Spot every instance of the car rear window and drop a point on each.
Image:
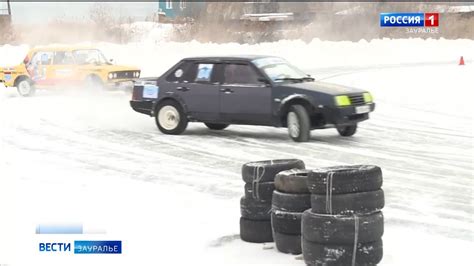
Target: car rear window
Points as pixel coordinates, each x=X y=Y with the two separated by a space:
x=194 y=72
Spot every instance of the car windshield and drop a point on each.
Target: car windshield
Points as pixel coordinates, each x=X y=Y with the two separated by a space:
x=280 y=70
x=89 y=56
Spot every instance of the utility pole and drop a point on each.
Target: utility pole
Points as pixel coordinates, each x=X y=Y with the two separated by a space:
x=9 y=8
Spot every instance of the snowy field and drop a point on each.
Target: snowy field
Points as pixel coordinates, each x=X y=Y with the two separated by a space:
x=68 y=156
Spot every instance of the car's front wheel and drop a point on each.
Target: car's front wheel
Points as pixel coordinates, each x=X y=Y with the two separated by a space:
x=170 y=118
x=347 y=131
x=214 y=126
x=94 y=83
x=25 y=87
x=298 y=123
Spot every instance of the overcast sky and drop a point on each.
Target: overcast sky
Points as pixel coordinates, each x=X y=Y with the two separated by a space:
x=44 y=11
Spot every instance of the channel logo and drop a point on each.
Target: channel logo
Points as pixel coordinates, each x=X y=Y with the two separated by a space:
x=409 y=19
x=84 y=247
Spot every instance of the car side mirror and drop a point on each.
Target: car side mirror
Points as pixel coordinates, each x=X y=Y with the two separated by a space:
x=264 y=81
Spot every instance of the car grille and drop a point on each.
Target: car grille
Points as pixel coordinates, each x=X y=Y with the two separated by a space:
x=357 y=99
x=125 y=74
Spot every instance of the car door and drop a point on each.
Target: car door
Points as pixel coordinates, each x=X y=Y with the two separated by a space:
x=64 y=69
x=244 y=98
x=197 y=86
x=39 y=68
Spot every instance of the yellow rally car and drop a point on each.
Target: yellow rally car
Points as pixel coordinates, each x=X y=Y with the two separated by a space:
x=55 y=66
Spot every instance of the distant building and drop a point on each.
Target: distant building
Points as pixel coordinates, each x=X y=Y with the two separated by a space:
x=181 y=8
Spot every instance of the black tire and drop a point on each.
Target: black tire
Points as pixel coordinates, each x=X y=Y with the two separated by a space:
x=216 y=126
x=340 y=229
x=25 y=87
x=286 y=222
x=291 y=202
x=292 y=181
x=255 y=231
x=345 y=204
x=94 y=83
x=289 y=244
x=345 y=179
x=317 y=254
x=255 y=209
x=259 y=191
x=178 y=114
x=347 y=131
x=265 y=171
x=302 y=123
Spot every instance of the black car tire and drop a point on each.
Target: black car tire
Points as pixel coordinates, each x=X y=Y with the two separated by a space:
x=94 y=83
x=259 y=191
x=265 y=171
x=350 y=203
x=292 y=181
x=347 y=131
x=255 y=209
x=345 y=179
x=341 y=229
x=176 y=112
x=317 y=254
x=25 y=87
x=255 y=231
x=291 y=202
x=302 y=123
x=286 y=222
x=216 y=126
x=289 y=244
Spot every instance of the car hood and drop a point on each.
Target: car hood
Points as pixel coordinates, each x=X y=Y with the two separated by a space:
x=111 y=68
x=324 y=87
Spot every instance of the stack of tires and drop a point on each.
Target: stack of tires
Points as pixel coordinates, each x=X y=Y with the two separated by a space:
x=256 y=205
x=344 y=225
x=290 y=199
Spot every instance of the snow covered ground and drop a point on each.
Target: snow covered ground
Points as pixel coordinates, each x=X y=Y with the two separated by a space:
x=68 y=156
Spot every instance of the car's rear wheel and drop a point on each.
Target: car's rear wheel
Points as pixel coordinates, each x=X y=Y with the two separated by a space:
x=170 y=118
x=298 y=123
x=347 y=131
x=25 y=87
x=216 y=126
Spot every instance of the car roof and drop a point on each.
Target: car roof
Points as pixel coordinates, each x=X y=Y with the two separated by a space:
x=228 y=57
x=60 y=48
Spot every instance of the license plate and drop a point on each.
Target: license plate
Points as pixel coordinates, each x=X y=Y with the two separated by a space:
x=150 y=91
x=362 y=109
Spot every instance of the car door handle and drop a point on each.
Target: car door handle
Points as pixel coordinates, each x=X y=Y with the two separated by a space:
x=227 y=91
x=182 y=88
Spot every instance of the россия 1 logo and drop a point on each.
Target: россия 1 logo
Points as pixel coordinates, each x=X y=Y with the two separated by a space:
x=409 y=19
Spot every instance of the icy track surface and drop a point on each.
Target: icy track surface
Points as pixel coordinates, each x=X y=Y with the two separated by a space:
x=67 y=156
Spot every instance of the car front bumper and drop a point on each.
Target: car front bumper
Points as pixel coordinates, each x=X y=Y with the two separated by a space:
x=346 y=115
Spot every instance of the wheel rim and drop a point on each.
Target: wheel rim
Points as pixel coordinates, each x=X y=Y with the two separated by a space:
x=293 y=125
x=24 y=87
x=168 y=117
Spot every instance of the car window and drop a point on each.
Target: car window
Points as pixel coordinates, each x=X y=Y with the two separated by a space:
x=63 y=58
x=240 y=74
x=201 y=72
x=178 y=73
x=42 y=58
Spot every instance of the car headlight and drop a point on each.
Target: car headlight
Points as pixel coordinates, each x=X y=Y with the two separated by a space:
x=115 y=75
x=111 y=76
x=368 y=97
x=136 y=74
x=342 y=100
